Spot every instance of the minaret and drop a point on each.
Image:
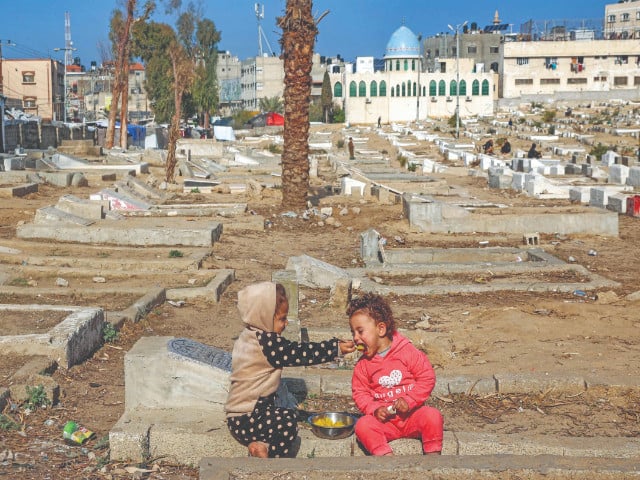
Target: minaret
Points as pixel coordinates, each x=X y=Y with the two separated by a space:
x=496 y=18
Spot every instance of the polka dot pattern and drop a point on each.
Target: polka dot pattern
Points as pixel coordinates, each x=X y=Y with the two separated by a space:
x=281 y=352
x=274 y=426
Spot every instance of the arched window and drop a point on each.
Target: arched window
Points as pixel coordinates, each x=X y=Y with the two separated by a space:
x=393 y=91
x=413 y=65
x=453 y=88
x=485 y=87
x=383 y=88
x=475 y=88
x=442 y=88
x=406 y=64
x=463 y=87
x=337 y=90
x=415 y=87
x=398 y=65
x=362 y=89
x=424 y=91
x=404 y=91
x=373 y=88
x=433 y=89
x=352 y=89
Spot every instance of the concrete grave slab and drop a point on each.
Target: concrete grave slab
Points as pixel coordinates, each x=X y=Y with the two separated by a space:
x=172 y=232
x=69 y=342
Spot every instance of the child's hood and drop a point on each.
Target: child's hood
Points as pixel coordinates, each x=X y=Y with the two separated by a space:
x=257 y=305
x=399 y=342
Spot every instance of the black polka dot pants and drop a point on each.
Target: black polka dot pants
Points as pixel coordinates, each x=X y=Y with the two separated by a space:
x=275 y=426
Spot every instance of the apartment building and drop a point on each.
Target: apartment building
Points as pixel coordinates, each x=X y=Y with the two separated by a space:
x=622 y=20
x=570 y=70
x=90 y=93
x=228 y=71
x=35 y=86
x=261 y=77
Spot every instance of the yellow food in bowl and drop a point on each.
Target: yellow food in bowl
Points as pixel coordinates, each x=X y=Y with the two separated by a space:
x=326 y=422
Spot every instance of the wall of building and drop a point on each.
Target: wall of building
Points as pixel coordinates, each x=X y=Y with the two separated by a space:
x=549 y=68
x=41 y=94
x=409 y=107
x=622 y=20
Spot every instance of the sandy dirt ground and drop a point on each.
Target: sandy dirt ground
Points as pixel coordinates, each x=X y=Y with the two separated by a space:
x=476 y=334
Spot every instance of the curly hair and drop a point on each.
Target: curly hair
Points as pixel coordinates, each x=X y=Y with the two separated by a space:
x=375 y=307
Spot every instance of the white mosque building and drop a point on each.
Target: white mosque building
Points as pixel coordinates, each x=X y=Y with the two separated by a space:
x=404 y=92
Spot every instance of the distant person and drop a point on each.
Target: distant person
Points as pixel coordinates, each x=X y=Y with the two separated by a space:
x=510 y=123
x=391 y=381
x=351 y=149
x=379 y=122
x=259 y=354
x=533 y=153
x=487 y=148
x=506 y=148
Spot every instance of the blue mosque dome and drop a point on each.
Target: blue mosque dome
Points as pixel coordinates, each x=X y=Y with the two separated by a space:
x=403 y=44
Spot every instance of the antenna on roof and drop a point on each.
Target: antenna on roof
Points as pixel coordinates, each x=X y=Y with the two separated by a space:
x=68 y=44
x=259 y=9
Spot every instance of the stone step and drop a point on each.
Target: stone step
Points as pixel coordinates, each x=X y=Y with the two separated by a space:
x=194 y=434
x=444 y=467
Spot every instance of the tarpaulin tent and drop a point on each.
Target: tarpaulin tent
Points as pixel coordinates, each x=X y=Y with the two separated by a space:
x=274 y=118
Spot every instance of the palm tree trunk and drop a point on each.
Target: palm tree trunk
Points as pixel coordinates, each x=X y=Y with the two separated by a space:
x=298 y=39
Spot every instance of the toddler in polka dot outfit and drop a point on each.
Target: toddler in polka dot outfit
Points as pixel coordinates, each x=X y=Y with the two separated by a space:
x=258 y=356
x=390 y=382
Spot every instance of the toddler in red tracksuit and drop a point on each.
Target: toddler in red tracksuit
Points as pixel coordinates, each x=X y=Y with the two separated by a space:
x=391 y=382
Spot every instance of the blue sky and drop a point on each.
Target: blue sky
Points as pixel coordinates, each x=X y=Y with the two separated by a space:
x=352 y=27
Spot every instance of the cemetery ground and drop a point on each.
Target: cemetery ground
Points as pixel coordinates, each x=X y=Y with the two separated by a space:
x=548 y=333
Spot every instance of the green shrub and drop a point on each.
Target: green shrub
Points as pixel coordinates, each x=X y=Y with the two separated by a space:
x=175 y=254
x=340 y=143
x=37 y=397
x=109 y=333
x=7 y=423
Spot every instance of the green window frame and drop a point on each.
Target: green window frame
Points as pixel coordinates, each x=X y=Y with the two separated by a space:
x=337 y=90
x=406 y=64
x=353 y=89
x=453 y=88
x=475 y=88
x=415 y=89
x=485 y=87
x=442 y=88
x=373 y=88
x=383 y=88
x=463 y=87
x=413 y=65
x=433 y=88
x=398 y=65
x=404 y=90
x=362 y=89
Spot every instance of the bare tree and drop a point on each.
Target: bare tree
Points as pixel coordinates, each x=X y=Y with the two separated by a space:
x=183 y=74
x=299 y=32
x=121 y=37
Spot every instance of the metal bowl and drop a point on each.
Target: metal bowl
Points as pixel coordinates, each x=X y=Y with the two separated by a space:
x=332 y=433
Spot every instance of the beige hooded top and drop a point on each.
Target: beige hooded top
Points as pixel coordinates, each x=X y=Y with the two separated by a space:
x=252 y=376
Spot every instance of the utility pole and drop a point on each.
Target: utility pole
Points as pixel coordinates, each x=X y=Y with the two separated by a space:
x=457 y=32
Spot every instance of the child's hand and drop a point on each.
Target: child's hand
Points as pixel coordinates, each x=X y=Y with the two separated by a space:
x=346 y=346
x=401 y=405
x=384 y=413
